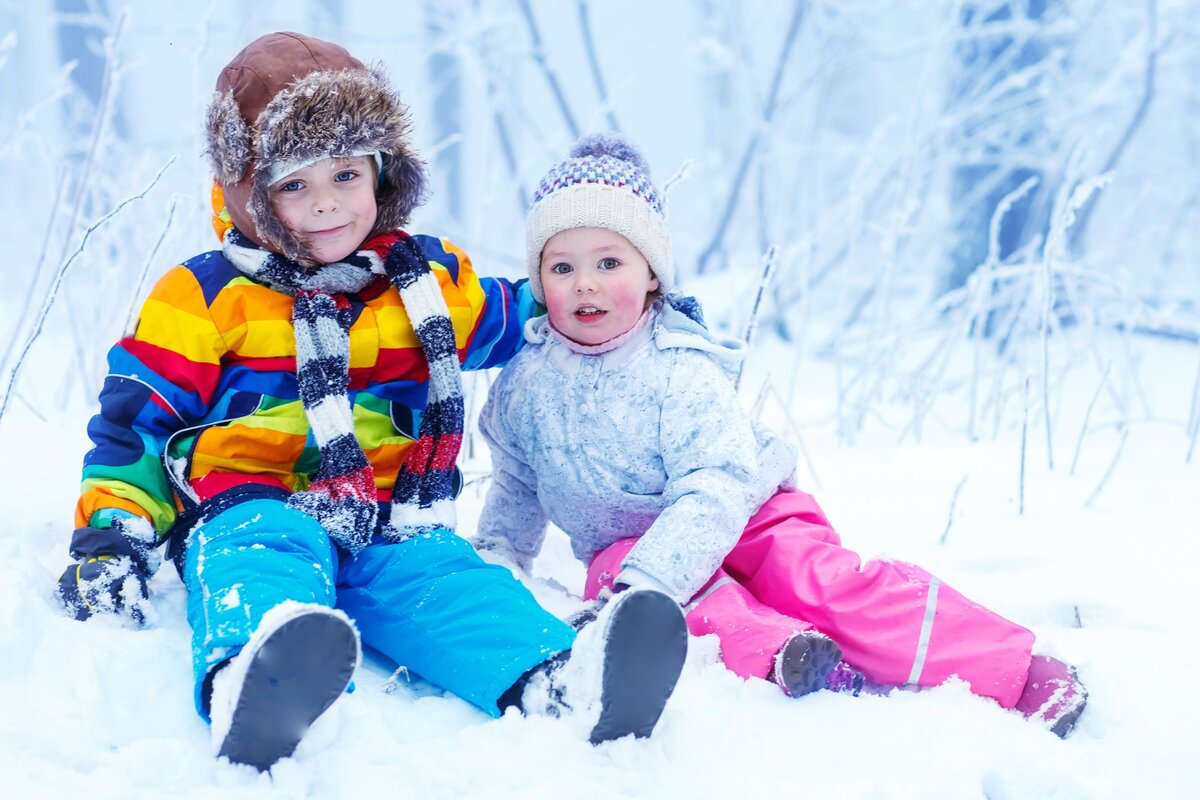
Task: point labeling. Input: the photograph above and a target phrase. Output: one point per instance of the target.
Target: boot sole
(295, 675)
(1066, 722)
(645, 647)
(804, 662)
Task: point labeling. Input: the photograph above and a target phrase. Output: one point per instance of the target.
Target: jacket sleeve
(159, 380)
(512, 522)
(710, 456)
(489, 314)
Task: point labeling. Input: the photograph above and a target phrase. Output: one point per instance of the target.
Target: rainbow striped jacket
(203, 397)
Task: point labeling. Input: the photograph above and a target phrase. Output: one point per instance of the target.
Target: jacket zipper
(182, 487)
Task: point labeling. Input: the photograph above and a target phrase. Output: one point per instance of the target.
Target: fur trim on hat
(230, 143)
(604, 183)
(324, 113)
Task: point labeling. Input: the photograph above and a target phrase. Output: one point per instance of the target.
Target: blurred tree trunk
(445, 78)
(1005, 140)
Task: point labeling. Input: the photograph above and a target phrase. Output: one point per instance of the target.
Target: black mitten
(109, 576)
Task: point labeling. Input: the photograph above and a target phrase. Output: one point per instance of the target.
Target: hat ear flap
(402, 190)
(230, 143)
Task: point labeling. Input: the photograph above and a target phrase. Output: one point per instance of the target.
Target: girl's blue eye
(561, 269)
(345, 175)
(609, 263)
(291, 186)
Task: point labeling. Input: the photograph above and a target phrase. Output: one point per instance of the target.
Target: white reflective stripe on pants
(926, 631)
(698, 599)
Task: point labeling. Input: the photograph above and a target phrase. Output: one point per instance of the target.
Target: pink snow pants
(894, 621)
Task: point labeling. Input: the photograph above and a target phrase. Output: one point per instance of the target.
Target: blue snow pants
(430, 603)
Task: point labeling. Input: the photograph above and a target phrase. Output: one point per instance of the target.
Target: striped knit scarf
(342, 494)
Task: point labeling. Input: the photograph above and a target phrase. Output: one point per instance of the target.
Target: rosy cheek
(630, 298)
(555, 302)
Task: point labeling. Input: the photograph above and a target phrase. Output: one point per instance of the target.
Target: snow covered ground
(1096, 558)
(100, 711)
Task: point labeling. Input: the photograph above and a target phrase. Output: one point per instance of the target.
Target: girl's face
(329, 206)
(596, 284)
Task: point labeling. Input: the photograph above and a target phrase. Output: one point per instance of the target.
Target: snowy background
(981, 221)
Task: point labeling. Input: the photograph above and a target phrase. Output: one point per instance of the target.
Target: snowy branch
(1135, 122)
(768, 113)
(589, 45)
(539, 56)
(61, 273)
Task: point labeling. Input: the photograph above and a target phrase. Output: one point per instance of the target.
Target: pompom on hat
(288, 100)
(603, 183)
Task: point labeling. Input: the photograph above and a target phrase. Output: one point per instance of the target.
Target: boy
(288, 414)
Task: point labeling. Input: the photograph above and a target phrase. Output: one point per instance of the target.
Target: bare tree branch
(768, 271)
(743, 169)
(61, 273)
(589, 45)
(539, 56)
(1135, 122)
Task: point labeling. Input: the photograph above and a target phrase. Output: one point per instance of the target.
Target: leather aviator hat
(291, 98)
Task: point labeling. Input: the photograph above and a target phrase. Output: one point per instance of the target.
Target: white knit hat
(604, 183)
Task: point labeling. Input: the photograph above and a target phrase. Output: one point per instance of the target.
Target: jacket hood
(287, 97)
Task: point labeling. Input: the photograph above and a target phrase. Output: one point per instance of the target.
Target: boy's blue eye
(291, 186)
(561, 269)
(608, 263)
(345, 175)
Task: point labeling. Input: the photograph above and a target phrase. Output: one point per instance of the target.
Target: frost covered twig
(393, 682)
(953, 504)
(1112, 466)
(1067, 206)
(141, 281)
(681, 174)
(589, 45)
(1194, 416)
(768, 390)
(539, 57)
(1087, 416)
(743, 169)
(1192, 446)
(981, 282)
(1002, 210)
(103, 112)
(25, 306)
(11, 138)
(768, 271)
(506, 144)
(1135, 121)
(1024, 438)
(61, 273)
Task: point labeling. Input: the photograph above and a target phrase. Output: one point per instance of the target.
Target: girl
(619, 423)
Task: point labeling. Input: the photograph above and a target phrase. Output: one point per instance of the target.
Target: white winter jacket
(648, 440)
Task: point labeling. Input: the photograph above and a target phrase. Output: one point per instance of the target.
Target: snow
(1093, 554)
(103, 711)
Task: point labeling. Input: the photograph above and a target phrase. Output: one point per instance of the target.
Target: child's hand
(109, 576)
(499, 551)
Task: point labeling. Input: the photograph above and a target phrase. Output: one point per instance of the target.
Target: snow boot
(810, 661)
(845, 678)
(299, 660)
(621, 670)
(1053, 696)
(645, 645)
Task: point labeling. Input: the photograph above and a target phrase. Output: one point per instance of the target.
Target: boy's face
(329, 206)
(596, 284)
